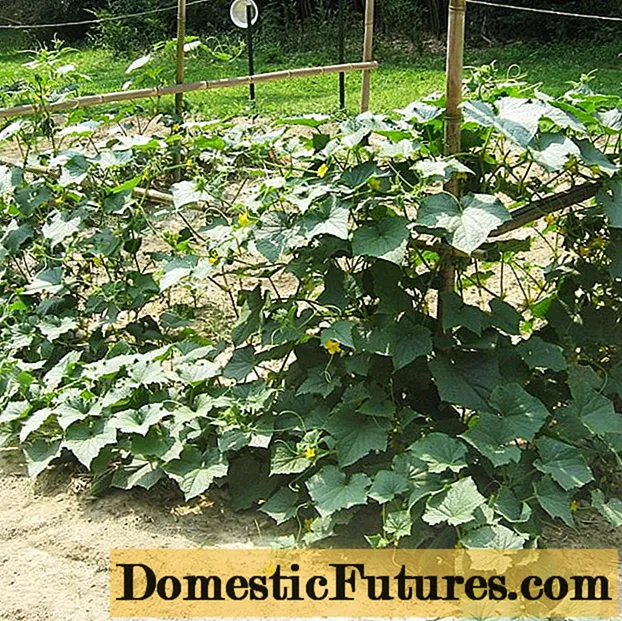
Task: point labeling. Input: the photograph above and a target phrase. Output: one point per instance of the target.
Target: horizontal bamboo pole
(105, 98)
(538, 209)
(153, 195)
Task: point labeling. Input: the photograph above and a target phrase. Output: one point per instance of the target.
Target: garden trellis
(105, 98)
(453, 113)
(366, 66)
(453, 131)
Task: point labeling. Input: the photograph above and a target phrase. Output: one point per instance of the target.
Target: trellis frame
(161, 91)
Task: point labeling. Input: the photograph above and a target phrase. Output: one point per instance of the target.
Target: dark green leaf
(86, 440)
(491, 436)
(195, 471)
(467, 224)
(356, 436)
(523, 414)
(330, 492)
(440, 452)
(40, 454)
(386, 239)
(286, 460)
(611, 511)
(139, 473)
(281, 506)
(241, 363)
(399, 524)
(387, 485)
(563, 462)
(328, 218)
(539, 354)
(554, 500)
(468, 381)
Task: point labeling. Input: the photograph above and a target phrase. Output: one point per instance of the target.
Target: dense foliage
(290, 21)
(274, 330)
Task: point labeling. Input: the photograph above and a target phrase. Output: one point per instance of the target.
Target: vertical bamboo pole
(181, 38)
(453, 118)
(367, 52)
(455, 63)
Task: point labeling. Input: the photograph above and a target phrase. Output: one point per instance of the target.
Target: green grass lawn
(403, 76)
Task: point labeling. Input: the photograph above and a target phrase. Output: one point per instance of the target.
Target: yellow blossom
(308, 524)
(213, 260)
(574, 506)
(310, 452)
(332, 347)
(175, 127)
(243, 219)
(322, 170)
(374, 184)
(188, 163)
(549, 218)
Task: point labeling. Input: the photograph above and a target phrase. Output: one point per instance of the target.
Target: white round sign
(237, 12)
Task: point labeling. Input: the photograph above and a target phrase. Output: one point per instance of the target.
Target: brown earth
(55, 540)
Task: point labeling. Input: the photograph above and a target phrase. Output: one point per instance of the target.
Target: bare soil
(55, 540)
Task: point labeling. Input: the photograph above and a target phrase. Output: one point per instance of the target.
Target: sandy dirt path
(55, 541)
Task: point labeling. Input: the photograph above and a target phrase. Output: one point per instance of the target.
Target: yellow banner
(363, 583)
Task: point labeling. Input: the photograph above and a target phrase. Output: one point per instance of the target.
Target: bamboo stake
(367, 53)
(179, 77)
(106, 98)
(453, 121)
(455, 62)
(181, 40)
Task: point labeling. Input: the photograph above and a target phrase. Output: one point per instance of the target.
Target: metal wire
(546, 11)
(112, 18)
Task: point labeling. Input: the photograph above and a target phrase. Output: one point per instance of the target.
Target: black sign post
(249, 44)
(342, 76)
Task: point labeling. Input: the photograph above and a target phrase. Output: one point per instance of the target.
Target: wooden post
(453, 121)
(367, 53)
(181, 39)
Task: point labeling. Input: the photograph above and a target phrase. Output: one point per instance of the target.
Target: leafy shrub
(339, 385)
(138, 34)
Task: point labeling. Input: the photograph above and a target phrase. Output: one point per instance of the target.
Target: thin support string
(607, 18)
(112, 18)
